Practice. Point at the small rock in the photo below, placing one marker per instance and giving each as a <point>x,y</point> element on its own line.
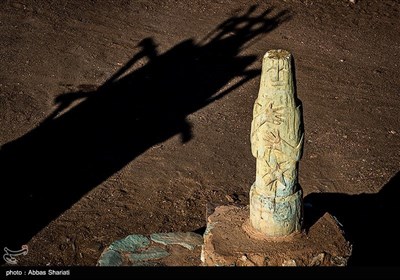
<point>229,198</point>
<point>318,260</point>
<point>289,263</point>
<point>339,261</point>
<point>244,261</point>
<point>234,198</point>
<point>97,246</point>
<point>258,259</point>
<point>241,198</point>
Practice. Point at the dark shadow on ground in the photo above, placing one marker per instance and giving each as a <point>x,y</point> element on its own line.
<point>76,148</point>
<point>369,222</point>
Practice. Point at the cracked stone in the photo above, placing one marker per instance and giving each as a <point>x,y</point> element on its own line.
<point>131,243</point>
<point>188,240</point>
<point>150,254</point>
<point>110,258</point>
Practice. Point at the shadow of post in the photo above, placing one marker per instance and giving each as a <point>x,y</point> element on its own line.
<point>368,221</point>
<point>76,148</point>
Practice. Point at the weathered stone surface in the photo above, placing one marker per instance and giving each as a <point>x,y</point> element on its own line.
<point>276,143</point>
<point>171,249</point>
<point>130,243</point>
<point>226,243</point>
<point>188,240</point>
<point>110,258</point>
<point>149,254</point>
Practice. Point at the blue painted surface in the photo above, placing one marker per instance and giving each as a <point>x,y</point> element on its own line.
<point>150,254</point>
<point>188,240</point>
<point>130,243</point>
<point>110,258</point>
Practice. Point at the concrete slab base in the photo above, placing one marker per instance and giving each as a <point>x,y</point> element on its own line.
<point>230,241</point>
<point>158,249</point>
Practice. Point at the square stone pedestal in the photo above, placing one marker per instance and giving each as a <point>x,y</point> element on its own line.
<point>229,241</point>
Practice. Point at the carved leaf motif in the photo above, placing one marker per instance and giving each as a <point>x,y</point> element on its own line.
<point>268,113</point>
<point>275,172</point>
<point>273,140</point>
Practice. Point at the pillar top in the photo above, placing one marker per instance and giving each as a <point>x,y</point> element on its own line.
<point>277,54</point>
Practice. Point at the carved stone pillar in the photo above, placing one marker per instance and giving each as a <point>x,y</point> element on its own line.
<point>273,234</point>
<point>276,207</point>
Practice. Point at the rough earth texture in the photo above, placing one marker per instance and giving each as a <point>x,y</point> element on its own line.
<point>128,117</point>
<point>229,240</point>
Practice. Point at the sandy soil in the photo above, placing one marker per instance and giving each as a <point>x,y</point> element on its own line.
<point>122,117</point>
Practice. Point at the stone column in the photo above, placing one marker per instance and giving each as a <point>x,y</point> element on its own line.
<point>276,207</point>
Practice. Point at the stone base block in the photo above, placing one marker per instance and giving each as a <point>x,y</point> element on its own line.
<point>229,242</point>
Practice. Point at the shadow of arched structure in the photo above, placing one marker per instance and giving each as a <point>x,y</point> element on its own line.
<point>76,148</point>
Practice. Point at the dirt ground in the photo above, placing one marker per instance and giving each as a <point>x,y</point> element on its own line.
<point>123,117</point>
